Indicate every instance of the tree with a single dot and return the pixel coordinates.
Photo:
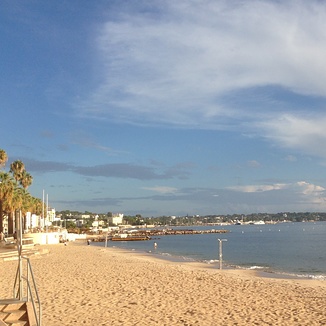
(16, 203)
(13, 193)
(3, 161)
(6, 194)
(17, 168)
(3, 158)
(26, 179)
(37, 205)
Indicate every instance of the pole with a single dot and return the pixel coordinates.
(47, 212)
(19, 243)
(221, 251)
(42, 209)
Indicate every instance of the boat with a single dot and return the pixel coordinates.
(259, 222)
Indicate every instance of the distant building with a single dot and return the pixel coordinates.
(32, 221)
(51, 214)
(79, 223)
(82, 219)
(116, 219)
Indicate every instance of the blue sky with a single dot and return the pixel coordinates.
(167, 107)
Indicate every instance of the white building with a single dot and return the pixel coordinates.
(116, 219)
(51, 215)
(33, 221)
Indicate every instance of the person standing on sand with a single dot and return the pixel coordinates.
(155, 245)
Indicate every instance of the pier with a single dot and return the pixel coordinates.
(147, 234)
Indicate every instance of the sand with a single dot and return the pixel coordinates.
(89, 285)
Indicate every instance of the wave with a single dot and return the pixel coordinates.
(257, 267)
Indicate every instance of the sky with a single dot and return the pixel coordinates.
(164, 107)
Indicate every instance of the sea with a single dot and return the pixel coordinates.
(287, 249)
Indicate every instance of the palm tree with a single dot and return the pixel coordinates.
(12, 196)
(3, 158)
(17, 168)
(37, 206)
(26, 179)
(7, 187)
(3, 161)
(15, 204)
(33, 205)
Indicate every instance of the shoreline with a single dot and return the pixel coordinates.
(211, 268)
(91, 285)
(215, 266)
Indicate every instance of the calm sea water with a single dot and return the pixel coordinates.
(294, 249)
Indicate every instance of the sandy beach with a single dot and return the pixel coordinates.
(89, 285)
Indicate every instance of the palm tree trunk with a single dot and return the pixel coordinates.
(1, 217)
(24, 223)
(11, 223)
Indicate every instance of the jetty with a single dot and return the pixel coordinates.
(141, 235)
(181, 231)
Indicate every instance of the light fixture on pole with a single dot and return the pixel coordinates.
(220, 251)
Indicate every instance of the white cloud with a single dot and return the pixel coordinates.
(272, 198)
(253, 164)
(298, 197)
(302, 187)
(194, 63)
(258, 188)
(162, 189)
(177, 62)
(306, 133)
(301, 194)
(310, 189)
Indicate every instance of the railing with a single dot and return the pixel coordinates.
(18, 289)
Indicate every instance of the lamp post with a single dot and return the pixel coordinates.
(106, 239)
(220, 251)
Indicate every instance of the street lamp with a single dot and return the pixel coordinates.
(220, 251)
